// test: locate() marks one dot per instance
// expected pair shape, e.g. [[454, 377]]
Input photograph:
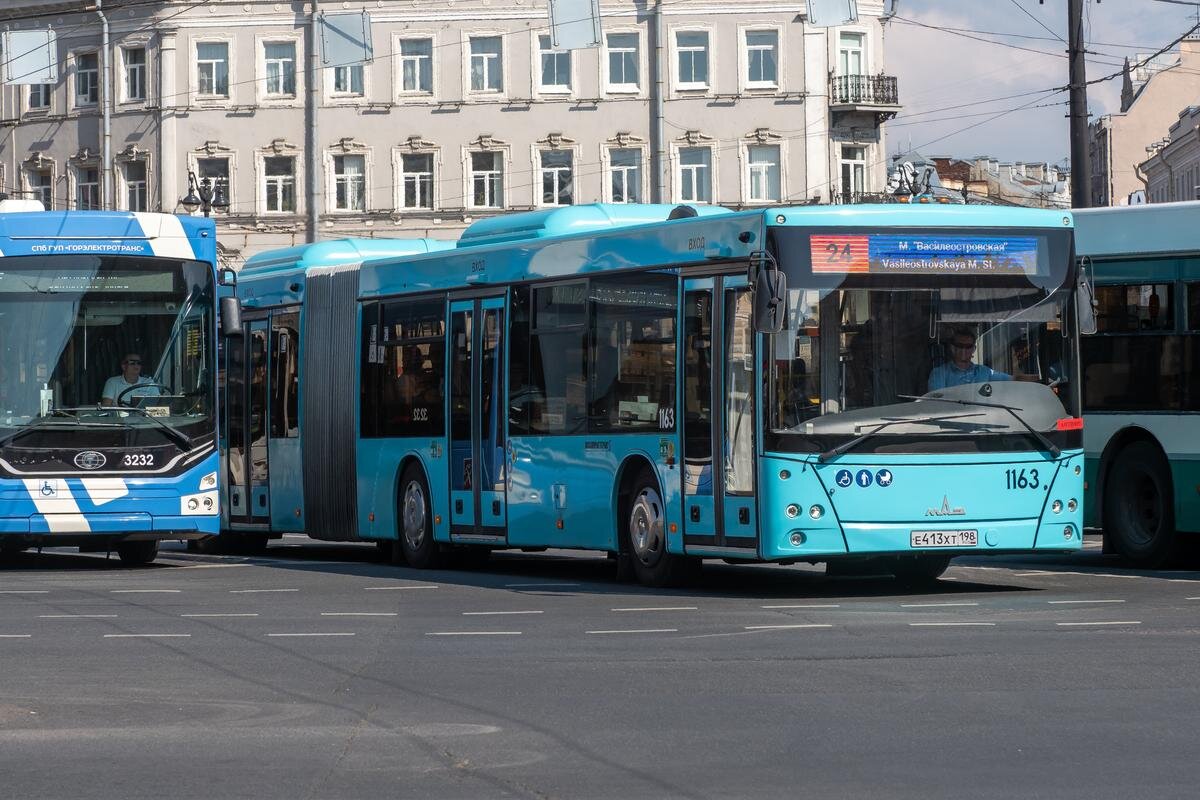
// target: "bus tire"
[[645, 532], [1139, 506], [416, 522], [917, 570], [137, 554]]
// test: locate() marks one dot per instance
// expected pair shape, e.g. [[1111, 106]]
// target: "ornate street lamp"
[[203, 195]]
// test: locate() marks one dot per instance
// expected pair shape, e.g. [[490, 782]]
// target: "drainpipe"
[[311, 100], [106, 112], [658, 161]]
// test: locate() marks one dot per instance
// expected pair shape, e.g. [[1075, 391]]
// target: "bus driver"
[[131, 375], [960, 370]]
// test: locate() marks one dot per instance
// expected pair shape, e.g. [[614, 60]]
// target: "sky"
[[938, 69]]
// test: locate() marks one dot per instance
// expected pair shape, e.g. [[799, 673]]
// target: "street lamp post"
[[204, 195]]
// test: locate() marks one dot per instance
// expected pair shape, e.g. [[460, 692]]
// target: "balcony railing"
[[855, 198], [864, 90]]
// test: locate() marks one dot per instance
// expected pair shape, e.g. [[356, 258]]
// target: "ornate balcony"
[[872, 94]]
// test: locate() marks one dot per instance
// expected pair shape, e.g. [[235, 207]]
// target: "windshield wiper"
[[42, 423], [856, 441], [1054, 449], [178, 439]]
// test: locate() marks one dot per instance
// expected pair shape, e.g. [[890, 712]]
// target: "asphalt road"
[[320, 672]]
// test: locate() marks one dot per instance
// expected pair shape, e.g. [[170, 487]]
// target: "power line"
[[1035, 19]]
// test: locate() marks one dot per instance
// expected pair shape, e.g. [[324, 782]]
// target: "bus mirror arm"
[[1085, 298], [231, 317], [769, 283]]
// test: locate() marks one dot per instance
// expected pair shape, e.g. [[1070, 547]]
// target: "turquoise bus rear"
[[1141, 378], [671, 385], [108, 423]]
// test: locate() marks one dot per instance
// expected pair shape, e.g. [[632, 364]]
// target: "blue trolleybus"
[[669, 385], [108, 331], [1141, 377]]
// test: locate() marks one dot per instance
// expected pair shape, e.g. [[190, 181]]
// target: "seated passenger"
[[131, 376], [960, 370]]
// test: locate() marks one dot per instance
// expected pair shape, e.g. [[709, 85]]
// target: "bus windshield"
[[117, 350], [922, 363]]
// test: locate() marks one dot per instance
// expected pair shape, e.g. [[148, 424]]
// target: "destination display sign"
[[923, 254]]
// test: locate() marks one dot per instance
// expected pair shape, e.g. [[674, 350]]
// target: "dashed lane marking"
[[497, 613], [1112, 622], [179, 565], [358, 613], [473, 633], [951, 624], [637, 630], [395, 588], [147, 636], [658, 608], [260, 591], [782, 627], [77, 616], [25, 591], [538, 585], [144, 591], [1080, 602], [206, 616], [825, 605], [935, 605], [15, 635], [293, 635]]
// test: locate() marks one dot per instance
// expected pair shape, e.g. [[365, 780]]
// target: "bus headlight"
[[797, 538], [1056, 506], [1072, 505], [792, 511], [205, 503], [209, 481], [816, 512]]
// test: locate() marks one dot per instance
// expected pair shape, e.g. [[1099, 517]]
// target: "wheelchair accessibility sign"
[[48, 488]]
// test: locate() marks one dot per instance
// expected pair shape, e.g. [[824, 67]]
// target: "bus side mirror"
[[227, 277], [770, 295], [1085, 305], [231, 317]]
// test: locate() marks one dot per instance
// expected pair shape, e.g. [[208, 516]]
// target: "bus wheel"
[[1139, 512], [919, 569], [416, 523], [646, 536], [136, 554]]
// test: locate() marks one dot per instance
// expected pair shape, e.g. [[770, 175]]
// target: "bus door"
[[719, 415], [246, 403], [478, 510]]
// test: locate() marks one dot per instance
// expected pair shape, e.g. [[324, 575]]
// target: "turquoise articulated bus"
[[670, 385], [108, 356], [1141, 377]]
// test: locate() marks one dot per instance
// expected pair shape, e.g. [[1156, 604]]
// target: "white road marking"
[[497, 613], [358, 613], [473, 633], [77, 616], [1182, 580], [144, 591], [782, 627], [15, 635], [537, 585], [204, 616], [260, 591], [1032, 574], [308, 634], [1080, 602], [1078, 624], [147, 636], [639, 630], [951, 624], [935, 605], [395, 588], [830, 605], [1191, 598], [660, 608], [25, 591], [209, 566]]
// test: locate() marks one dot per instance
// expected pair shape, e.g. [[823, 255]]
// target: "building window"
[[350, 183], [348, 80], [625, 165], [416, 178], [41, 184], [763, 185], [854, 172], [623, 59], [850, 54], [416, 66], [691, 48], [695, 174], [486, 64], [136, 198], [216, 170], [87, 79], [558, 177], [280, 177], [87, 188], [762, 58], [487, 179], [279, 59], [212, 69], [39, 96], [556, 67], [135, 73]]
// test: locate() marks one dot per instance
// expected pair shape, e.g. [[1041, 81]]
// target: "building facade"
[[1152, 95], [465, 110], [1172, 171]]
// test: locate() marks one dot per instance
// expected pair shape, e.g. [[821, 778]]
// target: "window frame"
[[230, 159], [744, 50], [296, 155], [687, 88], [373, 360], [748, 173], [843, 162], [864, 51], [407, 95], [337, 97], [540, 175], [37, 191], [46, 89], [128, 69], [263, 97], [333, 177], [399, 176], [126, 184], [502, 153], [77, 72], [639, 59], [609, 171], [536, 56], [78, 172], [677, 171], [230, 79], [484, 95]]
